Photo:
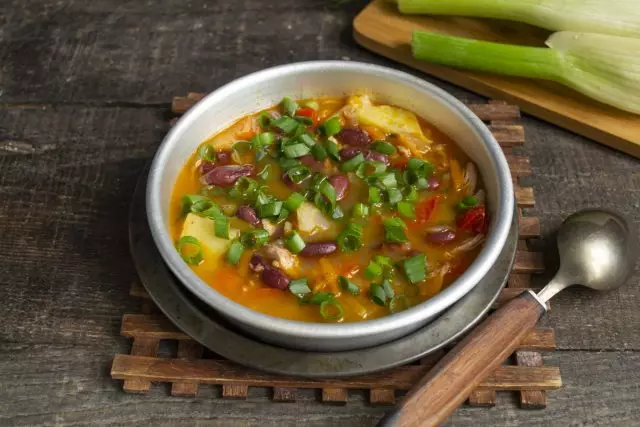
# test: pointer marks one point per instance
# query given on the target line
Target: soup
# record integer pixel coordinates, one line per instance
(329, 210)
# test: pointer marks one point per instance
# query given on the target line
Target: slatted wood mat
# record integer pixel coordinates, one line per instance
(190, 367)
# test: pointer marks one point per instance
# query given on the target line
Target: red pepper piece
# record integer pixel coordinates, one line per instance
(473, 220)
(308, 112)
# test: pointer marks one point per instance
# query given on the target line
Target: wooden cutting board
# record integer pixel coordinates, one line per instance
(382, 29)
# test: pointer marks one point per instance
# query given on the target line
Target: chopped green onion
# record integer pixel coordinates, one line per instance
(311, 104)
(383, 147)
(394, 230)
(328, 191)
(262, 140)
(319, 152)
(350, 239)
(388, 180)
(332, 126)
(297, 150)
(235, 252)
(353, 163)
(369, 169)
(289, 106)
(207, 153)
(294, 242)
(307, 140)
(398, 303)
(254, 238)
(287, 164)
(188, 244)
(241, 147)
(377, 294)
(286, 124)
(297, 174)
(419, 168)
(388, 289)
(374, 195)
(188, 200)
(284, 214)
(307, 121)
(373, 270)
(299, 287)
(269, 209)
(264, 119)
(407, 209)
(415, 268)
(264, 173)
(221, 226)
(395, 195)
(331, 310)
(468, 202)
(360, 210)
(386, 263)
(317, 180)
(320, 297)
(333, 150)
(336, 212)
(294, 201)
(411, 194)
(244, 189)
(348, 286)
(421, 183)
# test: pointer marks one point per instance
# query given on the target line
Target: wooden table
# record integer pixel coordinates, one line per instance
(85, 86)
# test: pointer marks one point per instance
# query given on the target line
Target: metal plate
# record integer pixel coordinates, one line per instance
(203, 325)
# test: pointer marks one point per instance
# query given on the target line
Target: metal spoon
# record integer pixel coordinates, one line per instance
(597, 249)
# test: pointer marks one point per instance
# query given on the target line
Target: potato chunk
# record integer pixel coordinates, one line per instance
(202, 228)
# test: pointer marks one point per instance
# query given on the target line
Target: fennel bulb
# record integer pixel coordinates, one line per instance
(616, 17)
(603, 67)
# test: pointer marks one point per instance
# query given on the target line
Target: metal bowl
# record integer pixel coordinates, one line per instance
(260, 90)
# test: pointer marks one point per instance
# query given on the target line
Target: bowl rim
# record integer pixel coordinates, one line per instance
(497, 236)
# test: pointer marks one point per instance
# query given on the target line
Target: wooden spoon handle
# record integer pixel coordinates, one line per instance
(455, 376)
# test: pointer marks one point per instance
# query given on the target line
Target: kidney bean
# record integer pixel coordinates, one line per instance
(206, 167)
(319, 249)
(257, 263)
(397, 247)
(376, 157)
(311, 162)
(354, 136)
(274, 277)
(248, 214)
(441, 237)
(223, 157)
(341, 184)
(348, 152)
(433, 183)
(227, 175)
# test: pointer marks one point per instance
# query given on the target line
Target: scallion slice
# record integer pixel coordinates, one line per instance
(287, 164)
(350, 239)
(394, 230)
(319, 152)
(395, 195)
(415, 268)
(332, 126)
(349, 286)
(420, 168)
(244, 189)
(264, 119)
(331, 310)
(254, 238)
(221, 227)
(304, 120)
(468, 202)
(294, 242)
(398, 303)
(374, 195)
(333, 150)
(377, 294)
(283, 215)
(388, 180)
(297, 174)
(262, 140)
(421, 183)
(320, 297)
(299, 287)
(286, 124)
(373, 270)
(388, 289)
(352, 164)
(360, 210)
(264, 173)
(406, 209)
(307, 140)
(328, 191)
(235, 252)
(311, 104)
(369, 169)
(297, 150)
(190, 250)
(207, 153)
(294, 201)
(411, 194)
(383, 147)
(269, 209)
(289, 106)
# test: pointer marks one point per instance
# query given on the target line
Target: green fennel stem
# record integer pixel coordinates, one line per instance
(533, 62)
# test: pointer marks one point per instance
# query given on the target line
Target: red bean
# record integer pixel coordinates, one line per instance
(257, 263)
(355, 137)
(248, 214)
(206, 167)
(441, 237)
(341, 184)
(348, 152)
(319, 249)
(274, 277)
(376, 157)
(396, 247)
(311, 162)
(433, 183)
(223, 157)
(226, 176)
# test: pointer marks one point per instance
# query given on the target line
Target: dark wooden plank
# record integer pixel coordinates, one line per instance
(187, 349)
(382, 396)
(285, 394)
(483, 398)
(335, 395)
(531, 399)
(141, 347)
(235, 391)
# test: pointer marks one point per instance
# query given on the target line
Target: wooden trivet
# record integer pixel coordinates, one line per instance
(189, 368)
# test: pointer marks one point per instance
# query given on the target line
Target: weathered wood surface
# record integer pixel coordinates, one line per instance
(84, 91)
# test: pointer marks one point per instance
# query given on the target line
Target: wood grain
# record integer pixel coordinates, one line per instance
(444, 388)
(381, 28)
